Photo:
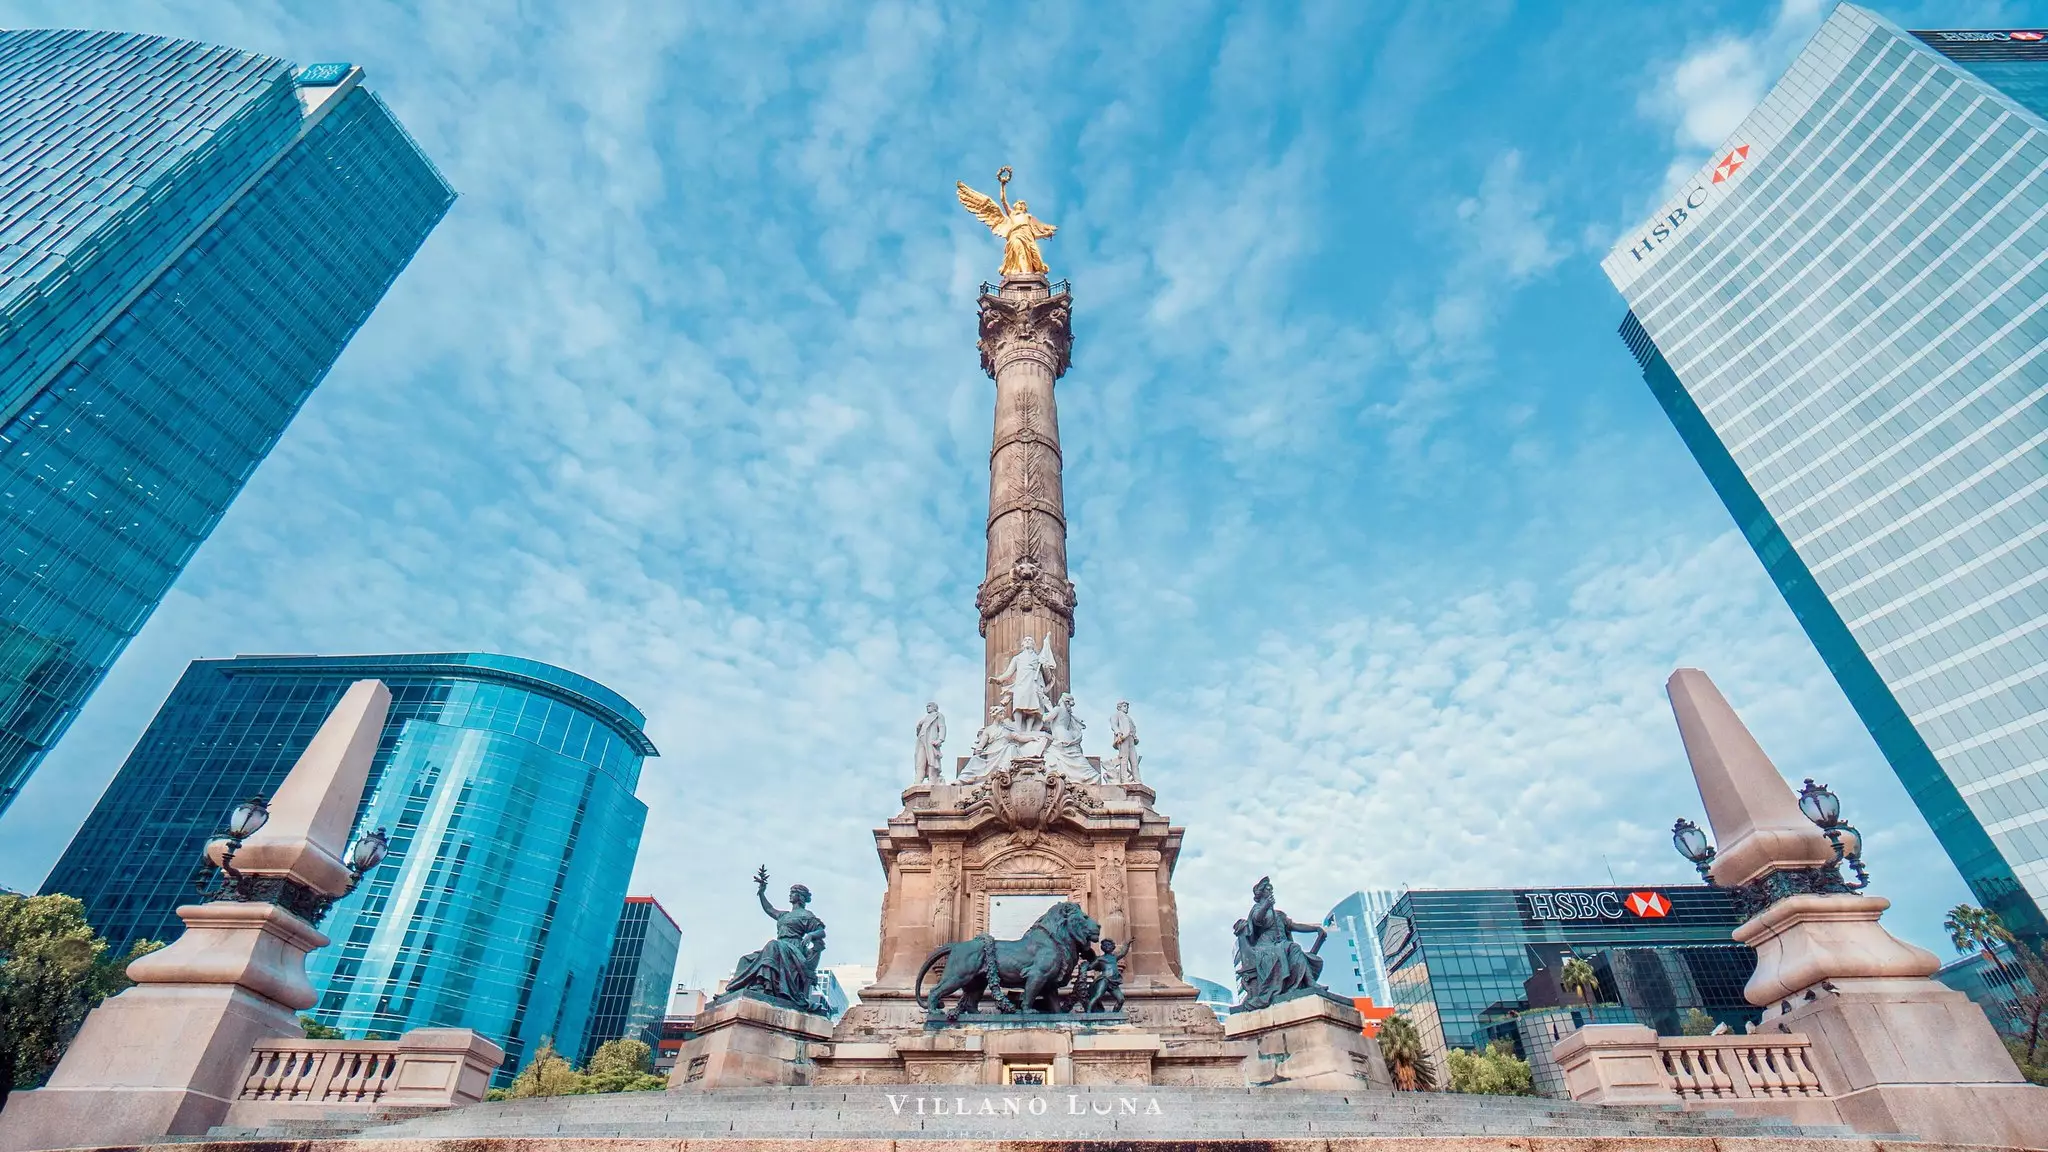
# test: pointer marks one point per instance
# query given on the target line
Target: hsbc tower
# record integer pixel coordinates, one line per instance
(1844, 312)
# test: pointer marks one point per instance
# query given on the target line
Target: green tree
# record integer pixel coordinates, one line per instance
(1696, 1023)
(622, 1065)
(1494, 1070)
(1406, 1059)
(547, 1074)
(1578, 979)
(53, 970)
(1973, 929)
(2027, 1011)
(315, 1030)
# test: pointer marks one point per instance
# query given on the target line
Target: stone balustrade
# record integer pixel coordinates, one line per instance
(425, 1068)
(1754, 1075)
(1739, 1067)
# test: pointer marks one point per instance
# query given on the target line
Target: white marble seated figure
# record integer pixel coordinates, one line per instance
(991, 749)
(1063, 751)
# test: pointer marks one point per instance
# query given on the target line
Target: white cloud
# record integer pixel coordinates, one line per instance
(1502, 740)
(683, 396)
(1707, 91)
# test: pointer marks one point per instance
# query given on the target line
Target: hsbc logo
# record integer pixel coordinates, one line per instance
(1667, 226)
(1981, 37)
(1648, 905)
(1608, 906)
(1730, 163)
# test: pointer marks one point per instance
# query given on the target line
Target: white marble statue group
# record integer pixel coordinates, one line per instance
(1027, 723)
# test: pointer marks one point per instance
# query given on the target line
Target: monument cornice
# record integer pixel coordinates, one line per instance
(1039, 329)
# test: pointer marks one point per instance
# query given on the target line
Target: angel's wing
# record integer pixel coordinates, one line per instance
(1049, 660)
(986, 210)
(1040, 229)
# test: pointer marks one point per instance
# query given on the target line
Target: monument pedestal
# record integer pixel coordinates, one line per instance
(167, 1056)
(1024, 1051)
(957, 851)
(1910, 1055)
(156, 1060)
(747, 1043)
(1894, 1050)
(1309, 1042)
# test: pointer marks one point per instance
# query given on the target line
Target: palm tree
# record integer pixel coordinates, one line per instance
(1974, 929)
(1406, 1059)
(1578, 978)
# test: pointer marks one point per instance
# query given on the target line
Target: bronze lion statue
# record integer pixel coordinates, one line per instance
(1035, 965)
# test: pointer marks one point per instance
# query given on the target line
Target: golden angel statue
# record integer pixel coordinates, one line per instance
(1020, 231)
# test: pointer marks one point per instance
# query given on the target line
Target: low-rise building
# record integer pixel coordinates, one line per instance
(1474, 965)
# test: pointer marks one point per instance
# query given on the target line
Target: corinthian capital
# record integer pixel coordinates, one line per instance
(1041, 329)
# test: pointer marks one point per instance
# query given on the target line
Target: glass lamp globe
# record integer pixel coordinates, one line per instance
(248, 818)
(1820, 805)
(369, 851)
(1689, 840)
(217, 850)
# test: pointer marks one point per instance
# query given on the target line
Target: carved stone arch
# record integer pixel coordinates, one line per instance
(1029, 863)
(996, 845)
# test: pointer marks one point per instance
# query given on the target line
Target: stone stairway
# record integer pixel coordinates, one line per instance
(908, 1112)
(334, 1125)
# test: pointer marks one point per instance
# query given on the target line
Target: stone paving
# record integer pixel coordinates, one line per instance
(910, 1112)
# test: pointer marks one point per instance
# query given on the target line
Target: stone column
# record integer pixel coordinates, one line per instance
(167, 1056)
(1026, 342)
(1899, 1052)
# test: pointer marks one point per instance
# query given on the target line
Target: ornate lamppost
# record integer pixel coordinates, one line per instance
(218, 879)
(1817, 804)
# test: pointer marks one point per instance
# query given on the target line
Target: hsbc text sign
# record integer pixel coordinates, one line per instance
(1596, 905)
(1978, 37)
(1663, 228)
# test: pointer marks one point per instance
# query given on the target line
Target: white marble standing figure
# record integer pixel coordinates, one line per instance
(1064, 752)
(1028, 681)
(1123, 734)
(991, 748)
(931, 737)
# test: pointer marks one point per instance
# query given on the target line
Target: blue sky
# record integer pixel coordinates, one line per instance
(1373, 519)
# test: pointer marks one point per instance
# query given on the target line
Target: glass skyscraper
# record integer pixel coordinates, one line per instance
(1354, 925)
(506, 786)
(1471, 966)
(1842, 313)
(633, 992)
(189, 235)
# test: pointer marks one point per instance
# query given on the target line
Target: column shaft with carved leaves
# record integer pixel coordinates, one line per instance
(1026, 342)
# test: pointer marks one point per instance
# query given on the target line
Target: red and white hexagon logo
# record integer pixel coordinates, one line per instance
(1649, 905)
(2027, 35)
(1730, 163)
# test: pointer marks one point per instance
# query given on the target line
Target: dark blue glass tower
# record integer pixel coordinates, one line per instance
(189, 235)
(634, 991)
(506, 786)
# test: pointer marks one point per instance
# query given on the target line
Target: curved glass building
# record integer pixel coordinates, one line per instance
(1845, 315)
(189, 237)
(506, 786)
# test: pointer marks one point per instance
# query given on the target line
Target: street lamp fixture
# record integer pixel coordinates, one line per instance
(244, 820)
(1692, 844)
(1824, 808)
(365, 854)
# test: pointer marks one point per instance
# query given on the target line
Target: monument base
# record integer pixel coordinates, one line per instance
(1310, 1041)
(1910, 1055)
(159, 1059)
(748, 1043)
(1039, 1051)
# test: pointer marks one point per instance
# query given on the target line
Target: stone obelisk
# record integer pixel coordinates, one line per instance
(1026, 341)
